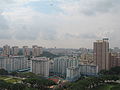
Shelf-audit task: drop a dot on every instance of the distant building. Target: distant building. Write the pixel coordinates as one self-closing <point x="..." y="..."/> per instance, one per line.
<point x="62" y="63"/>
<point x="40" y="66"/>
<point x="86" y="58"/>
<point x="15" y="50"/>
<point x="101" y="54"/>
<point x="26" y="51"/>
<point x="73" y="73"/>
<point x="36" y="51"/>
<point x="6" y="50"/>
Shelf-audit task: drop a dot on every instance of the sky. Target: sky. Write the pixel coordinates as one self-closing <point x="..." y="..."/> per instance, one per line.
<point x="59" y="23"/>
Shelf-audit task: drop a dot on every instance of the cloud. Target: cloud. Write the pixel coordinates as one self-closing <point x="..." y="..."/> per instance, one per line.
<point x="89" y="7"/>
<point x="73" y="21"/>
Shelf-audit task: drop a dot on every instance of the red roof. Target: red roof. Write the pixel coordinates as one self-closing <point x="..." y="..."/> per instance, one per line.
<point x="55" y="80"/>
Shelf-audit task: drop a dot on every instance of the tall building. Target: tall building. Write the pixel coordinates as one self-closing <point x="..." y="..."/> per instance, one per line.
<point x="15" y="50"/>
<point x="6" y="50"/>
<point x="36" y="50"/>
<point x="26" y="51"/>
<point x="101" y="54"/>
<point x="40" y="66"/>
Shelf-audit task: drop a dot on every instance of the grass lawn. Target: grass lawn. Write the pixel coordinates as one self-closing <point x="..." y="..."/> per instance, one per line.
<point x="10" y="79"/>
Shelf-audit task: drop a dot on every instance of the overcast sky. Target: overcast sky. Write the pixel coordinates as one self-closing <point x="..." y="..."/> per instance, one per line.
<point x="60" y="23"/>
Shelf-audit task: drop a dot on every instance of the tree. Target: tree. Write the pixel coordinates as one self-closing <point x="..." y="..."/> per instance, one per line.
<point x="14" y="73"/>
<point x="18" y="86"/>
<point x="3" y="72"/>
<point x="39" y="83"/>
<point x="115" y="70"/>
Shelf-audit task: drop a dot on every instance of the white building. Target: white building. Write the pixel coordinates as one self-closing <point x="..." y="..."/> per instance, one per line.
<point x="62" y="63"/>
<point x="73" y="73"/>
<point x="14" y="63"/>
<point x="89" y="70"/>
<point x="40" y="66"/>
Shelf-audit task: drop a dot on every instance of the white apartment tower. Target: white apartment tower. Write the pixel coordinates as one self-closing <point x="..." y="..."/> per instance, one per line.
<point x="40" y="66"/>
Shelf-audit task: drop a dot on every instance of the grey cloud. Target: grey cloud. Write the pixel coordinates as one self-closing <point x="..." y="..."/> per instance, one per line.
<point x="4" y="28"/>
<point x="89" y="36"/>
<point x="49" y="34"/>
<point x="26" y="33"/>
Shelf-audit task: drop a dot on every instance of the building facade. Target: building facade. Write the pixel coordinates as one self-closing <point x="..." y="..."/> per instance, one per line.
<point x="62" y="63"/>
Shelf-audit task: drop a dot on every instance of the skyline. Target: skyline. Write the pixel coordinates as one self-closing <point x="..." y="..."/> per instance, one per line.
<point x="51" y="23"/>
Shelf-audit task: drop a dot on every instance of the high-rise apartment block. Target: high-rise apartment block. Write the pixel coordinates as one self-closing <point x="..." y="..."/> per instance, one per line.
<point x="101" y="54"/>
<point x="14" y="63"/>
<point x="40" y="66"/>
<point x="15" y="50"/>
<point x="6" y="50"/>
<point x="26" y="51"/>
<point x="36" y="50"/>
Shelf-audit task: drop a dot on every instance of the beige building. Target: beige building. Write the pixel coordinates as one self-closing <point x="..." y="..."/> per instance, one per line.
<point x="26" y="51"/>
<point x="40" y="66"/>
<point x="101" y="54"/>
<point x="86" y="58"/>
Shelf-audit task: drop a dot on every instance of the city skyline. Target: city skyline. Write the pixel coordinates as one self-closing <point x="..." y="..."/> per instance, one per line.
<point x="57" y="23"/>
